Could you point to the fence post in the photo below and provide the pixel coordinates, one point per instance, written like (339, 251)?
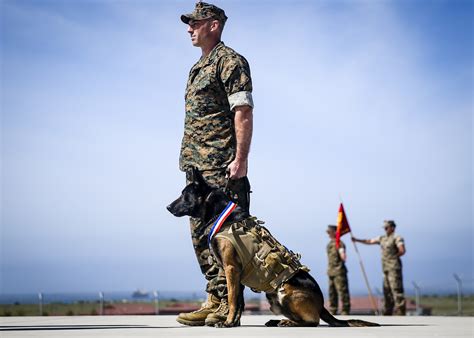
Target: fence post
(459, 284)
(40, 302)
(101, 308)
(417, 298)
(157, 304)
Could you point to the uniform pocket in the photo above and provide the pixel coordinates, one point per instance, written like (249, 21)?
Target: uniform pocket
(202, 83)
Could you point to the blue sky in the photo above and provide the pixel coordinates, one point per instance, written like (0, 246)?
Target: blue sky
(368, 101)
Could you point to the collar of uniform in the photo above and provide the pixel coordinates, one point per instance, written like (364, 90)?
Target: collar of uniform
(211, 56)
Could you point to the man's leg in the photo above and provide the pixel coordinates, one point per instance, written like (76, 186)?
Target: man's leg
(396, 285)
(333, 299)
(387, 295)
(239, 191)
(216, 286)
(342, 285)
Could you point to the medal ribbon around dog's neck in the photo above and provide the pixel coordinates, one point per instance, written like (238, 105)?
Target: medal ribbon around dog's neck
(221, 220)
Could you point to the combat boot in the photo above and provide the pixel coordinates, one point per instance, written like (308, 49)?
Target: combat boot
(220, 315)
(198, 317)
(400, 311)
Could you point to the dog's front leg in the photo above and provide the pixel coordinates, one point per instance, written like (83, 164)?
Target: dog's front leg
(232, 269)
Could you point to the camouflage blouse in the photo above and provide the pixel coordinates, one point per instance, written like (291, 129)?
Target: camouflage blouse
(389, 245)
(336, 265)
(216, 85)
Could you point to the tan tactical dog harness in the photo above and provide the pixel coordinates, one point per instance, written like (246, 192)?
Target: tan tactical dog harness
(266, 263)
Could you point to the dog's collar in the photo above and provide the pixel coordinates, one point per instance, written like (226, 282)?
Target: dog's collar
(221, 220)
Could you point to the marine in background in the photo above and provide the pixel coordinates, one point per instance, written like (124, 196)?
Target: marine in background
(337, 274)
(393, 247)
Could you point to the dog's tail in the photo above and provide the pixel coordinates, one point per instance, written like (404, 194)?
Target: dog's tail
(333, 321)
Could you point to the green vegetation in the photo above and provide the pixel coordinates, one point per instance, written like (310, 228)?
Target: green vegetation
(55, 309)
(80, 308)
(447, 305)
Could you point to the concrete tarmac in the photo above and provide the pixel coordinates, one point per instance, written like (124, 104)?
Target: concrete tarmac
(252, 326)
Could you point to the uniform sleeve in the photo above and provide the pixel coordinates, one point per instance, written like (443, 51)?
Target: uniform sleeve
(235, 76)
(342, 247)
(399, 241)
(377, 239)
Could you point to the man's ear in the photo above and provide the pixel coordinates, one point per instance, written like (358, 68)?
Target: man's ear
(215, 25)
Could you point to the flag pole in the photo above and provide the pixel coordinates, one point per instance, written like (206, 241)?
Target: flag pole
(371, 297)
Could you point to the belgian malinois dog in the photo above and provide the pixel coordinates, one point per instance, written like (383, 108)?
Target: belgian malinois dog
(299, 299)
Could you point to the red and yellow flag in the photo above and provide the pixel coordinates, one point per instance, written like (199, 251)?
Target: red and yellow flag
(342, 225)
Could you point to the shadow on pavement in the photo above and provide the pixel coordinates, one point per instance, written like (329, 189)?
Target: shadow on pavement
(80, 327)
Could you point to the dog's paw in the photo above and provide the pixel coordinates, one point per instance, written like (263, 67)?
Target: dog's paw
(286, 323)
(227, 324)
(272, 323)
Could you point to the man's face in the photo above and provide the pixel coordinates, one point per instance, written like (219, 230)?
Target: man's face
(331, 234)
(200, 31)
(389, 229)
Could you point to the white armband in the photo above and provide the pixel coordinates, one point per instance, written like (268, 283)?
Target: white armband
(240, 99)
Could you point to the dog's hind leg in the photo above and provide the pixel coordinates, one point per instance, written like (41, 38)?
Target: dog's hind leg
(300, 306)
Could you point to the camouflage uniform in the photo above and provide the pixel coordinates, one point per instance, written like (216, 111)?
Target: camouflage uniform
(217, 84)
(392, 271)
(338, 282)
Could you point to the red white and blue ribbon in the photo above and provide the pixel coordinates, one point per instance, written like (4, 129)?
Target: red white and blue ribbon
(220, 220)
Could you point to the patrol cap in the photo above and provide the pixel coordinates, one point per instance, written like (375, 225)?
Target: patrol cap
(389, 223)
(203, 11)
(331, 228)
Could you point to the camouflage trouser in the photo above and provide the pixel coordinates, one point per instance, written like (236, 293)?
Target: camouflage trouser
(239, 191)
(393, 293)
(339, 289)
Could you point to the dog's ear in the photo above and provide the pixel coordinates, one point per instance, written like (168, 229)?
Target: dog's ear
(198, 178)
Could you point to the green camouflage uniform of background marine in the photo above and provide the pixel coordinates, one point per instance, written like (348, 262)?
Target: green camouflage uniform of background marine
(392, 272)
(217, 84)
(338, 282)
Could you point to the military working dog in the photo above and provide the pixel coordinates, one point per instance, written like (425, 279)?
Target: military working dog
(251, 256)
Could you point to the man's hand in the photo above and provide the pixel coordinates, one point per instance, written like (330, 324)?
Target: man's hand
(237, 169)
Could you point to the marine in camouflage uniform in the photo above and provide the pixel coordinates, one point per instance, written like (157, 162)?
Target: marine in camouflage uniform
(218, 84)
(337, 273)
(393, 247)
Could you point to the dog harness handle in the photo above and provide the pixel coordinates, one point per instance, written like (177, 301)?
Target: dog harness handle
(220, 221)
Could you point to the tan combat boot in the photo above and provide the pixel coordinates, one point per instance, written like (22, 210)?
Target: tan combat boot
(198, 317)
(219, 315)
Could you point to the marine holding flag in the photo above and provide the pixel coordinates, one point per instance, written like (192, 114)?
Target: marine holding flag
(393, 247)
(337, 271)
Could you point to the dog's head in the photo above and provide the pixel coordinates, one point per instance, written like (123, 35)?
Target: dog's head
(192, 198)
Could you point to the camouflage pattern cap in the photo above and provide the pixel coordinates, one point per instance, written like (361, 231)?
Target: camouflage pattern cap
(331, 228)
(203, 11)
(389, 223)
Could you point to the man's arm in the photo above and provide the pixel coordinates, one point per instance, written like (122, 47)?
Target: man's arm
(401, 250)
(243, 121)
(366, 241)
(342, 254)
